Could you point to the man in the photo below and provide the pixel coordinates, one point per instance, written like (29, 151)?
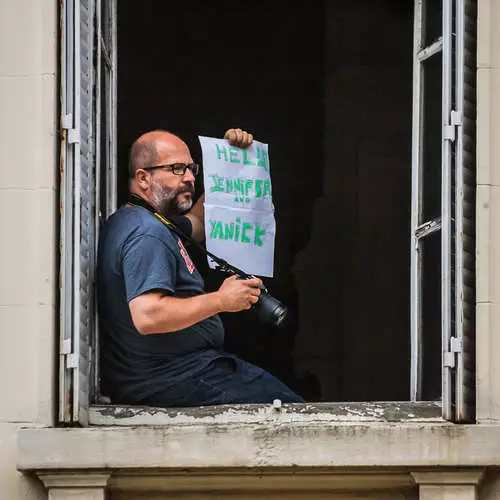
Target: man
(161, 337)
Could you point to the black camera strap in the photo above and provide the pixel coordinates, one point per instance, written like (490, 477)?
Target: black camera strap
(224, 266)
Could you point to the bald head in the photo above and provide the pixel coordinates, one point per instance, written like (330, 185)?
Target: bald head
(152, 146)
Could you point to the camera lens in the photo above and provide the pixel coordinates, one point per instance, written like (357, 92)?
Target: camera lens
(271, 310)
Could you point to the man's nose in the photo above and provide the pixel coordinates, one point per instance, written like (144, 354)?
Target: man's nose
(188, 176)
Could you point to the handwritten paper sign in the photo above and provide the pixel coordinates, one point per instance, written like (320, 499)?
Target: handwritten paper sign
(239, 215)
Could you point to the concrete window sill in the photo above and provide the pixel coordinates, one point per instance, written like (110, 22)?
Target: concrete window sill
(298, 413)
(327, 446)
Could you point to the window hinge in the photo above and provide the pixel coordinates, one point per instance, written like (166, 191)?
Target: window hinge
(71, 358)
(71, 361)
(72, 134)
(456, 118)
(449, 358)
(449, 131)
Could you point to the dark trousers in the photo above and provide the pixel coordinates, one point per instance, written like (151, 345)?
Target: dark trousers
(225, 380)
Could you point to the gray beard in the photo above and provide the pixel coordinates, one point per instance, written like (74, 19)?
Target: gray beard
(164, 200)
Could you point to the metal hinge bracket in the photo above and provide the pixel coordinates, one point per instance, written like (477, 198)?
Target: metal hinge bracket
(456, 347)
(72, 134)
(449, 131)
(71, 358)
(72, 361)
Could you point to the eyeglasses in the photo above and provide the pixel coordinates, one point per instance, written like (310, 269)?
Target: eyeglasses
(178, 168)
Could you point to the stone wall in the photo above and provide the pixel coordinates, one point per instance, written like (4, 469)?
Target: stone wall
(28, 222)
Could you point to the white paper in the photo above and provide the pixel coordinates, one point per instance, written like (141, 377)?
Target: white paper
(239, 217)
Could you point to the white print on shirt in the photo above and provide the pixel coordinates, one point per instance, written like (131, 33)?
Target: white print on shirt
(187, 258)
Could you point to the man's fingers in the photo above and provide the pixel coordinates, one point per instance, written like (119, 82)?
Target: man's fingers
(255, 282)
(238, 137)
(253, 299)
(246, 139)
(230, 135)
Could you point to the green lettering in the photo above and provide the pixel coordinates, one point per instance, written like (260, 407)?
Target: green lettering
(246, 161)
(267, 187)
(237, 235)
(265, 158)
(248, 185)
(258, 232)
(229, 185)
(212, 229)
(233, 154)
(218, 230)
(221, 150)
(229, 231)
(260, 161)
(238, 185)
(244, 237)
(218, 183)
(258, 188)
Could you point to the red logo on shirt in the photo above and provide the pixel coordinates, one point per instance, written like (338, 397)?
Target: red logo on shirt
(187, 258)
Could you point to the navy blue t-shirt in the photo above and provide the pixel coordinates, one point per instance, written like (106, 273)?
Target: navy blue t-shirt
(137, 254)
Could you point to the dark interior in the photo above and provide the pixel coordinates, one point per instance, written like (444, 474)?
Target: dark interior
(328, 85)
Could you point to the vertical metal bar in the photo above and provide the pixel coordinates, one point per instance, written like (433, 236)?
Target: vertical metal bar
(459, 186)
(100, 184)
(446, 209)
(66, 208)
(416, 211)
(77, 213)
(98, 125)
(113, 182)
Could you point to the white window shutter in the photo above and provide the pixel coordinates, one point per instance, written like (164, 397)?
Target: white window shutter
(465, 181)
(430, 49)
(457, 47)
(67, 166)
(78, 197)
(447, 137)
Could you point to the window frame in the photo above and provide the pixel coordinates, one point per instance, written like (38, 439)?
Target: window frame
(88, 86)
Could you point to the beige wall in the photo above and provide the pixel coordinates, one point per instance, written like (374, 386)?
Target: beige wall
(28, 167)
(488, 211)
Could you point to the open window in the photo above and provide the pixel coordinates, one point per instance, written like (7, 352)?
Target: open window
(369, 111)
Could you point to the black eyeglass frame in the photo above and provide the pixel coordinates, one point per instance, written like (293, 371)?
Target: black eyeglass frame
(178, 168)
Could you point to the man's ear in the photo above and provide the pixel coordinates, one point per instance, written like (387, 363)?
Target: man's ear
(142, 178)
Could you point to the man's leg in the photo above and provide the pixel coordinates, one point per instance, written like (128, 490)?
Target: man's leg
(226, 380)
(237, 381)
(252, 384)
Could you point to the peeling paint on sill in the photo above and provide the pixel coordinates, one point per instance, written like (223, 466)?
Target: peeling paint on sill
(303, 413)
